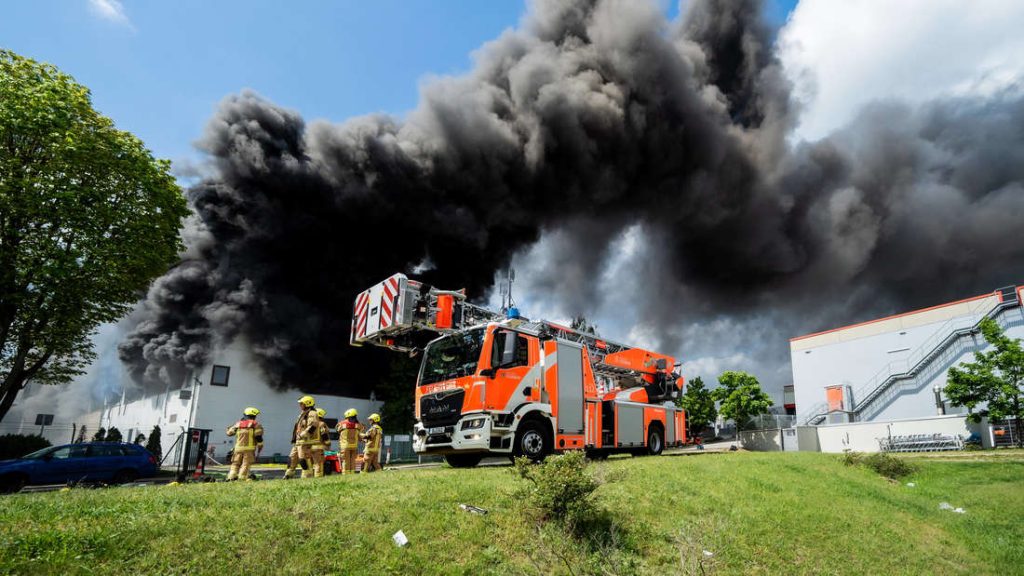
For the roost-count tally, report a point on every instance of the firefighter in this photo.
(374, 437)
(349, 430)
(248, 435)
(323, 442)
(307, 434)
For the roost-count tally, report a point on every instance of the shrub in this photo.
(560, 488)
(18, 445)
(881, 462)
(153, 444)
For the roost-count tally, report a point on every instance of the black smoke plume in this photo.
(591, 121)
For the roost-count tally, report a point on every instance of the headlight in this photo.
(473, 424)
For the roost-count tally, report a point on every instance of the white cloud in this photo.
(110, 10)
(842, 55)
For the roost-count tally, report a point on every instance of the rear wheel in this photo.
(463, 460)
(11, 483)
(655, 441)
(125, 476)
(533, 440)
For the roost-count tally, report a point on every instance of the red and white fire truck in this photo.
(498, 384)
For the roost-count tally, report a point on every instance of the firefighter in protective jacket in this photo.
(307, 434)
(349, 430)
(374, 437)
(248, 435)
(323, 442)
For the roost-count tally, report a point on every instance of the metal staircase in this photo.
(950, 342)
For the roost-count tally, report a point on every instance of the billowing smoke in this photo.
(626, 163)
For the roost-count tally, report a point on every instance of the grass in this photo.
(758, 513)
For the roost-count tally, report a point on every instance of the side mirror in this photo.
(488, 372)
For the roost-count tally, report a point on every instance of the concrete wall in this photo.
(864, 436)
(762, 440)
(854, 355)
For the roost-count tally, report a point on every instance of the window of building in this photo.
(173, 418)
(220, 375)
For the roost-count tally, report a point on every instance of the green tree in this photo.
(994, 382)
(699, 405)
(81, 435)
(153, 443)
(398, 392)
(87, 219)
(113, 435)
(740, 397)
(100, 435)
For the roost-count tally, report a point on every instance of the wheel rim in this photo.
(533, 442)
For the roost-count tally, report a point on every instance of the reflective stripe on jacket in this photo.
(348, 435)
(248, 435)
(374, 437)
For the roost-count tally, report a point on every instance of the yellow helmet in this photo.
(307, 401)
(375, 418)
(321, 412)
(351, 413)
(250, 411)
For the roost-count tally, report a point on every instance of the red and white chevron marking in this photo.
(361, 311)
(387, 299)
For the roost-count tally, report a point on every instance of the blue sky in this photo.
(158, 69)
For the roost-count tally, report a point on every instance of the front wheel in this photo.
(463, 460)
(533, 441)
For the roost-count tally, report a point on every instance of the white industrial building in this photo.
(214, 399)
(891, 372)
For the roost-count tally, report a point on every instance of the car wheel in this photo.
(125, 476)
(11, 483)
(533, 440)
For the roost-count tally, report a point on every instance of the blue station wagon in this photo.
(91, 462)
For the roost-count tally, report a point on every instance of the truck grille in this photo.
(441, 409)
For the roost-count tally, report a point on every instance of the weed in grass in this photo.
(560, 488)
(881, 462)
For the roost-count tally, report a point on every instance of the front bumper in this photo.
(455, 438)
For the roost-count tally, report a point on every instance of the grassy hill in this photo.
(793, 513)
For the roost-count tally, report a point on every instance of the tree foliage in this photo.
(580, 324)
(740, 397)
(153, 443)
(699, 405)
(100, 435)
(398, 392)
(113, 435)
(87, 219)
(992, 385)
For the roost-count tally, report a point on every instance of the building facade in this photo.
(214, 399)
(894, 368)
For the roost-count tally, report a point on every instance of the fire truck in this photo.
(495, 383)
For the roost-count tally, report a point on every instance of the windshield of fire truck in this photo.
(452, 356)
